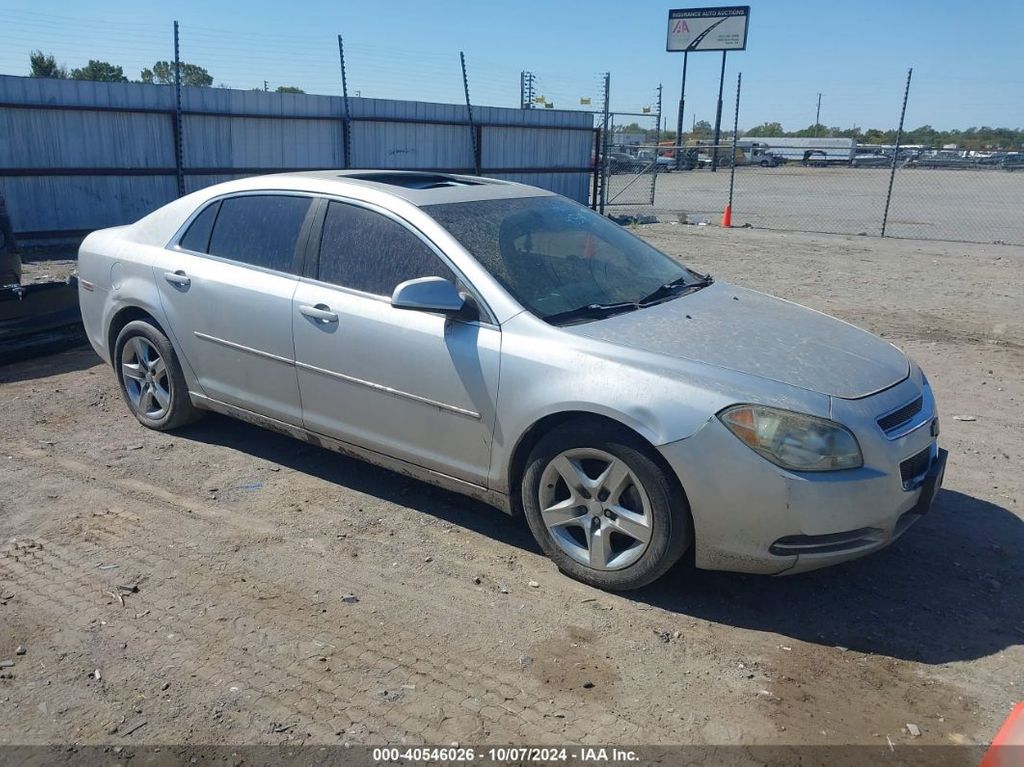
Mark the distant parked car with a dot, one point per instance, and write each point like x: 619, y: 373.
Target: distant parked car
x: 620, y: 162
x: 1013, y: 162
x: 506, y: 343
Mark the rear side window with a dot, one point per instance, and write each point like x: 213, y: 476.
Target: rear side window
x: 363, y: 250
x: 262, y: 230
x: 197, y: 237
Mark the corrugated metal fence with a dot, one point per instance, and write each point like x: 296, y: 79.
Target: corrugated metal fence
x: 77, y: 156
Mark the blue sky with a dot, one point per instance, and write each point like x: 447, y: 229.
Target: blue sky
x: 968, y: 59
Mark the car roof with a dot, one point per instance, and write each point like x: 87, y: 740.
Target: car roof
x: 421, y: 188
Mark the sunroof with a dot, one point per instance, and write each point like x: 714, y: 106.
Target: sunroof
x: 414, y: 180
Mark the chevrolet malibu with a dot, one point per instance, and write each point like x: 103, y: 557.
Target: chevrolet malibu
x: 506, y: 343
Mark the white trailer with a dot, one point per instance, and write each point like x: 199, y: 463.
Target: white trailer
x: 811, y: 151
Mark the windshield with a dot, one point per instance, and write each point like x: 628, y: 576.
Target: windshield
x: 560, y: 260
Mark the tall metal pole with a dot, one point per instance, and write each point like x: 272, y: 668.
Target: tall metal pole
x: 679, y: 118
x: 346, y: 146
x: 817, y: 116
x: 605, y: 137
x: 718, y: 117
x: 735, y: 133
x: 469, y: 112
x: 657, y: 137
x: 179, y: 153
x: 896, y: 151
x: 657, y: 122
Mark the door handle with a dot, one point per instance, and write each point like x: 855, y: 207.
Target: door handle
x: 320, y: 313
x: 178, y: 278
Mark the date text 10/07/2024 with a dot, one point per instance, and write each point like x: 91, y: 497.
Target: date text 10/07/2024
x: 500, y: 754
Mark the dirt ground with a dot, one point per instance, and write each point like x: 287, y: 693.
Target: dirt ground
x: 235, y: 552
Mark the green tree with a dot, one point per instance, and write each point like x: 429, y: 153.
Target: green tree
x: 45, y: 65
x: 766, y: 129
x: 288, y: 89
x: 99, y: 71
x: 192, y: 75
x: 703, y: 130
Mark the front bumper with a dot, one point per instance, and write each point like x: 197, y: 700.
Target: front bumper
x: 752, y: 516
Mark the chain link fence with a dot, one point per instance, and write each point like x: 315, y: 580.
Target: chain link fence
x: 803, y: 187
x: 839, y: 188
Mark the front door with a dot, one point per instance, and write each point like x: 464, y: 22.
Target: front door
x: 412, y: 385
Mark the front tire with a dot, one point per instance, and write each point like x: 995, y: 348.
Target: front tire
x: 602, y: 508
x: 150, y: 378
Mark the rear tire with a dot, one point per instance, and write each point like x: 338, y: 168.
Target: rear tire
x: 602, y: 508
x: 150, y: 378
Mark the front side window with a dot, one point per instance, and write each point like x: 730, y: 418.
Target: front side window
x: 561, y: 260
x: 367, y: 251
x: 262, y: 230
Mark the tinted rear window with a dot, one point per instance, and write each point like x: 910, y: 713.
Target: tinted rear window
x: 197, y: 237
x: 262, y: 230
x: 367, y: 251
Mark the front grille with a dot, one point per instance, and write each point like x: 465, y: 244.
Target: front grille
x: 915, y: 466
x: 901, y: 416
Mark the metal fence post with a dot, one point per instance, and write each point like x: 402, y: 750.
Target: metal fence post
x: 346, y: 146
x: 179, y: 154
x: 469, y: 112
x: 735, y: 131
x: 606, y: 134
x: 896, y: 150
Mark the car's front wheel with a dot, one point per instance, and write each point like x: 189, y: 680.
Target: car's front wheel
x: 602, y: 508
x: 151, y: 379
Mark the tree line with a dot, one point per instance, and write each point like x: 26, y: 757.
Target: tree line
x: 971, y: 138
x: 161, y: 73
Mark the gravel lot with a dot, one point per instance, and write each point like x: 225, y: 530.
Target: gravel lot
x: 238, y: 548
x: 969, y: 205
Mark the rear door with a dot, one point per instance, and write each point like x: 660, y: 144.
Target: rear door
x: 409, y: 384
x: 227, y: 289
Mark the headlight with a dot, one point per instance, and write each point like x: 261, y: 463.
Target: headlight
x: 792, y: 440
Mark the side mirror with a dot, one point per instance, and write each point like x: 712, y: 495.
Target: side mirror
x: 430, y: 294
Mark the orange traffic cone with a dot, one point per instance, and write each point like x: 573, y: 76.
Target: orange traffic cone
x: 727, y: 217
x: 1007, y: 748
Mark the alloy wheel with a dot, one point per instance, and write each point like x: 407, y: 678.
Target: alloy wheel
x: 145, y: 377
x: 595, y: 508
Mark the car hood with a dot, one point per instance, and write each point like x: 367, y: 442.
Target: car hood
x: 750, y: 332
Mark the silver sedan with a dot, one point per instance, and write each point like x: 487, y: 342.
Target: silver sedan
x: 506, y: 343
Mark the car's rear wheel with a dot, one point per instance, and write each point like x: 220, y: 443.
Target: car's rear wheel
x: 151, y: 379
x: 602, y: 508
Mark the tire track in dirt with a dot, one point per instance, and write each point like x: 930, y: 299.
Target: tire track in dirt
x: 509, y: 704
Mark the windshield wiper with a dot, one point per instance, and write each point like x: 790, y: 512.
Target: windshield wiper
x: 591, y: 312
x: 676, y: 288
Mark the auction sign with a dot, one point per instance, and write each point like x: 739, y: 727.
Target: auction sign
x: 708, y: 29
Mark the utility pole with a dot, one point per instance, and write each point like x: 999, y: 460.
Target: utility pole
x: 657, y: 121
x: 527, y: 81
x: 817, y: 116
